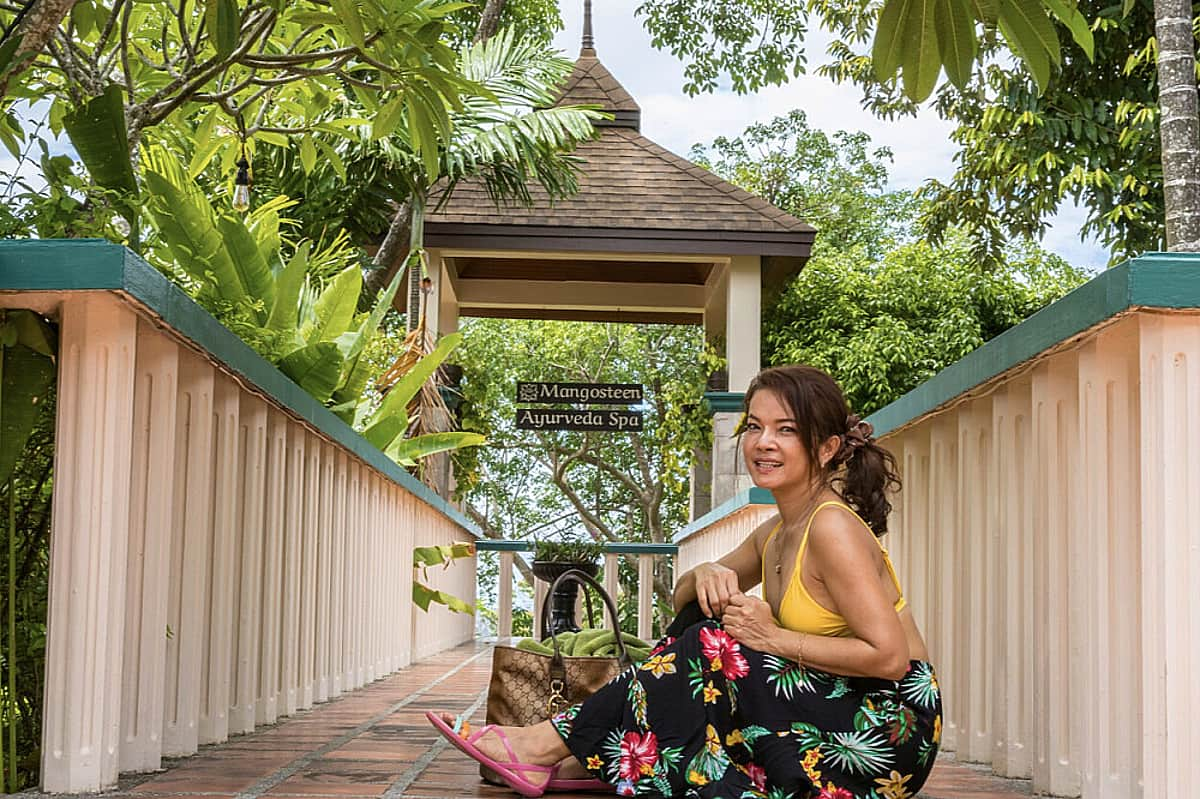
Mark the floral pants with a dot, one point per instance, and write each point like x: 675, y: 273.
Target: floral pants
x: 706, y: 717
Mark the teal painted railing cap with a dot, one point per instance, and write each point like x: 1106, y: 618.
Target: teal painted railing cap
x: 631, y: 548
x: 751, y: 496
x: 725, y: 401
x: 99, y: 265
x: 1154, y: 280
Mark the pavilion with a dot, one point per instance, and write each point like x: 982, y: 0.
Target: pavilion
x: 649, y: 238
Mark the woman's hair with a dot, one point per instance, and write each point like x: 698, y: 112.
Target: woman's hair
x: 862, y: 471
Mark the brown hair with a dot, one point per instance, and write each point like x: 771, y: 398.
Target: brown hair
x: 862, y: 472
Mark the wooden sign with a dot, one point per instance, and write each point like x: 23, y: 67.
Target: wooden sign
x: 580, y: 393
x: 555, y: 419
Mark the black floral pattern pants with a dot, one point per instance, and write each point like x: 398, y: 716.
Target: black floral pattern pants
x: 706, y: 717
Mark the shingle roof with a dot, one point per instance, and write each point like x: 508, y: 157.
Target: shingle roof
x: 628, y: 181
x: 592, y: 84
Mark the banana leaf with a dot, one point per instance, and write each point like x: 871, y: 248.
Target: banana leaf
x: 315, y: 368
x: 384, y: 430
x: 407, y: 451
x: 193, y: 239
x: 335, y: 308
x: 407, y: 386
x: 253, y: 270
x: 287, y: 291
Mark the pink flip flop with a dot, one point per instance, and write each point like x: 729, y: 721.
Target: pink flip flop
x: 512, y: 772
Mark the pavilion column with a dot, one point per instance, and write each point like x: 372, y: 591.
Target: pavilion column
x: 743, y: 346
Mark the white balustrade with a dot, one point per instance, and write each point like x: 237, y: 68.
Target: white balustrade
x: 217, y: 562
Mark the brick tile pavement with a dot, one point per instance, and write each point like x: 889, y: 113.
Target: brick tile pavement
x: 375, y: 742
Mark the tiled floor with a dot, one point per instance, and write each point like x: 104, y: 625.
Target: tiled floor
x: 376, y: 743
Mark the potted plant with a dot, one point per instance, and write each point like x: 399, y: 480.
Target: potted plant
x: 552, y: 558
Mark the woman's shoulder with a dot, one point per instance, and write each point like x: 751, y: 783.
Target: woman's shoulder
x: 835, y: 526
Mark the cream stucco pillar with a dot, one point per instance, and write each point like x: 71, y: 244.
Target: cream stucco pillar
x: 742, y: 316
x: 743, y: 320
x: 85, y: 624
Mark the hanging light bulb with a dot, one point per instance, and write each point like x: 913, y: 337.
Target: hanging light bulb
x: 241, y: 184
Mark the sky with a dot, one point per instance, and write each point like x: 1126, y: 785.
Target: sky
x: 921, y: 145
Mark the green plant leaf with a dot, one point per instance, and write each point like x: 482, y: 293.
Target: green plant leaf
x: 252, y: 269
x: 224, y: 25
x: 97, y: 131
x: 347, y: 13
x: 1067, y: 12
x: 407, y: 387
x: 424, y: 596
x: 956, y: 39
x: 287, y: 291
x: 1027, y: 27
x: 921, y: 63
x: 336, y: 306
x: 308, y: 154
x: 407, y: 451
x: 316, y: 368
x: 331, y: 155
x: 887, y: 51
x: 383, y: 430
x: 27, y: 378
x: 34, y: 333
x: 367, y: 330
x: 388, y: 118
x: 192, y: 237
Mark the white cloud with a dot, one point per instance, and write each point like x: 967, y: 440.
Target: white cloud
x: 921, y: 145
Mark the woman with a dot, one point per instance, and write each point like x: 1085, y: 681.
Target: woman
x: 822, y: 689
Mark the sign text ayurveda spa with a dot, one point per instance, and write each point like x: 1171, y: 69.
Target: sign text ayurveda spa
x: 605, y: 419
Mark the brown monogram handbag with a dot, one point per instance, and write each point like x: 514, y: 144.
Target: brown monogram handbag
x: 528, y: 687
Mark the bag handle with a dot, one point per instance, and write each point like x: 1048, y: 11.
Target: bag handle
x: 586, y: 581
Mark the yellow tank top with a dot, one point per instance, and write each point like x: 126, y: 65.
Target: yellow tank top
x: 798, y: 610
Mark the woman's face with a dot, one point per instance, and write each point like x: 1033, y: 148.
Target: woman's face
x: 774, y: 451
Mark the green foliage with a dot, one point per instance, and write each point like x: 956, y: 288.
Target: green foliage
x: 918, y: 38
x: 27, y: 371
x: 567, y: 550
x: 836, y: 182
x: 272, y: 70
x: 1089, y: 135
x: 444, y: 555
x: 754, y: 43
x: 27, y: 406
x: 884, y: 328
x: 879, y: 310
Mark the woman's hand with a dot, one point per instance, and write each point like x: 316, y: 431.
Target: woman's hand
x: 750, y: 621
x: 716, y: 585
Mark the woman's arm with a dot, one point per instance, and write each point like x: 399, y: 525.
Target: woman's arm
x: 843, y: 554
x: 713, y: 584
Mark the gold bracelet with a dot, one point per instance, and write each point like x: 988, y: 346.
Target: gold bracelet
x: 800, y: 652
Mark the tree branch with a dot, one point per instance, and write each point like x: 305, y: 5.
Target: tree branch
x: 38, y: 23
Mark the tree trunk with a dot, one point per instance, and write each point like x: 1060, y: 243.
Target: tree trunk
x: 390, y: 255
x: 489, y: 20
x: 1178, y: 123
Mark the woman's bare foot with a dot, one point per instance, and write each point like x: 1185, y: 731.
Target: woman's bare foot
x: 539, y: 744
x: 569, y: 768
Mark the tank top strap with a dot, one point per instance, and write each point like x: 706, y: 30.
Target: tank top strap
x: 887, y: 559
